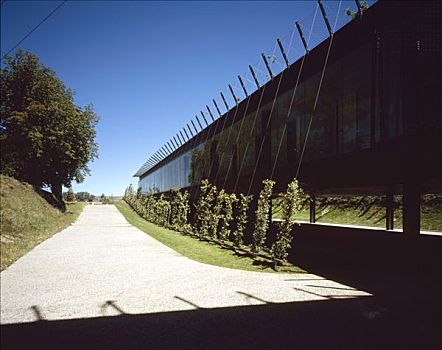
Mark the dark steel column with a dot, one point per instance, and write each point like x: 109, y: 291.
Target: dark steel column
x: 389, y: 203
x: 313, y: 209
x: 411, y: 207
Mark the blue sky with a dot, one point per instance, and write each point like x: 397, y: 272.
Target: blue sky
x: 149, y: 67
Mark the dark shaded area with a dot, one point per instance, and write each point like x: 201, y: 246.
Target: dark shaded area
x: 51, y: 199
x: 404, y: 312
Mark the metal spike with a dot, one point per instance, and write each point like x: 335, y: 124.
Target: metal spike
x: 267, y: 65
x: 301, y: 34
x: 254, y: 76
x: 242, y: 85
x: 324, y: 15
x: 216, y: 106
x: 210, y: 113
x: 204, y: 117
x: 283, y: 52
x: 233, y: 94
x: 224, y: 100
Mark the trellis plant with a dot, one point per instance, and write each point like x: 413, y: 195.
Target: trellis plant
x: 226, y: 216
x: 291, y: 202
x: 242, y: 212
x: 262, y: 215
x: 203, y: 207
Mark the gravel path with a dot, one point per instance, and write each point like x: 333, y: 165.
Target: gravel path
x: 101, y: 265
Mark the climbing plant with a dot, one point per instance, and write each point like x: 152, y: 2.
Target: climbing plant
x: 203, y: 207
x: 262, y: 215
x: 226, y: 217
x: 291, y: 202
x: 241, y: 219
x: 215, y: 214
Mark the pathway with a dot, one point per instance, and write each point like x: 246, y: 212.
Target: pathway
x: 102, y: 266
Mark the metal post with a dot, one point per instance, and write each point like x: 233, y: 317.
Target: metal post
x: 168, y: 145
x: 193, y: 124
x: 199, y: 123
x: 210, y: 113
x: 204, y: 117
x: 190, y: 130
x: 233, y: 94
x: 216, y: 106
x: 242, y: 85
x: 165, y: 151
x: 283, y: 52
x: 324, y: 15
x: 267, y: 65
x: 411, y: 207
x: 358, y: 4
x: 157, y: 159
x: 182, y: 136
x: 301, y: 34
x: 224, y: 100
x: 313, y: 209
x: 254, y: 76
x: 178, y: 145
x: 389, y: 201
x: 187, y: 135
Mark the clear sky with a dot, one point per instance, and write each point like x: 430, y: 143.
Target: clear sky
x: 149, y: 67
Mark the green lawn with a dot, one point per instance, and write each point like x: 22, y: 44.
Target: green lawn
x: 195, y: 249
x: 431, y: 217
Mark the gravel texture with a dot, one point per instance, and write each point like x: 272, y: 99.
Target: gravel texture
x: 102, y: 266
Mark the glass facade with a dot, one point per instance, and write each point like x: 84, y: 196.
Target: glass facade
x: 361, y: 103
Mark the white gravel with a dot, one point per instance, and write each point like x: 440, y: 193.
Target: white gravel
x: 101, y: 265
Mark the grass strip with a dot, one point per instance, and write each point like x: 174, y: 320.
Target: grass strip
x: 204, y: 252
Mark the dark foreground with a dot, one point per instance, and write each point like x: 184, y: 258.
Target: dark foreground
x: 404, y: 313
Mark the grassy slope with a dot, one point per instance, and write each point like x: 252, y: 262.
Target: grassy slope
x: 27, y: 219
x: 194, y: 249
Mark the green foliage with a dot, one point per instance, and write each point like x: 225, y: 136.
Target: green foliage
x: 262, y: 215
x: 291, y: 202
x: 84, y: 197
x: 179, y: 209
x: 226, y: 216
x: 46, y: 139
x: 242, y: 210
x: 203, y: 208
x: 349, y: 12
x: 215, y: 215
x: 70, y: 197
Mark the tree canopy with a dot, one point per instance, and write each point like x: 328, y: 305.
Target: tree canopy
x: 46, y: 139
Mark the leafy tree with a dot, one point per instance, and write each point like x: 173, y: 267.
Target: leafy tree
x: 70, y: 197
x: 46, y: 139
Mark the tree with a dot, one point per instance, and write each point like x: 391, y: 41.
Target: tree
x: 70, y: 197
x: 46, y: 139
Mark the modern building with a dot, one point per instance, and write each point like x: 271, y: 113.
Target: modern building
x: 375, y: 128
